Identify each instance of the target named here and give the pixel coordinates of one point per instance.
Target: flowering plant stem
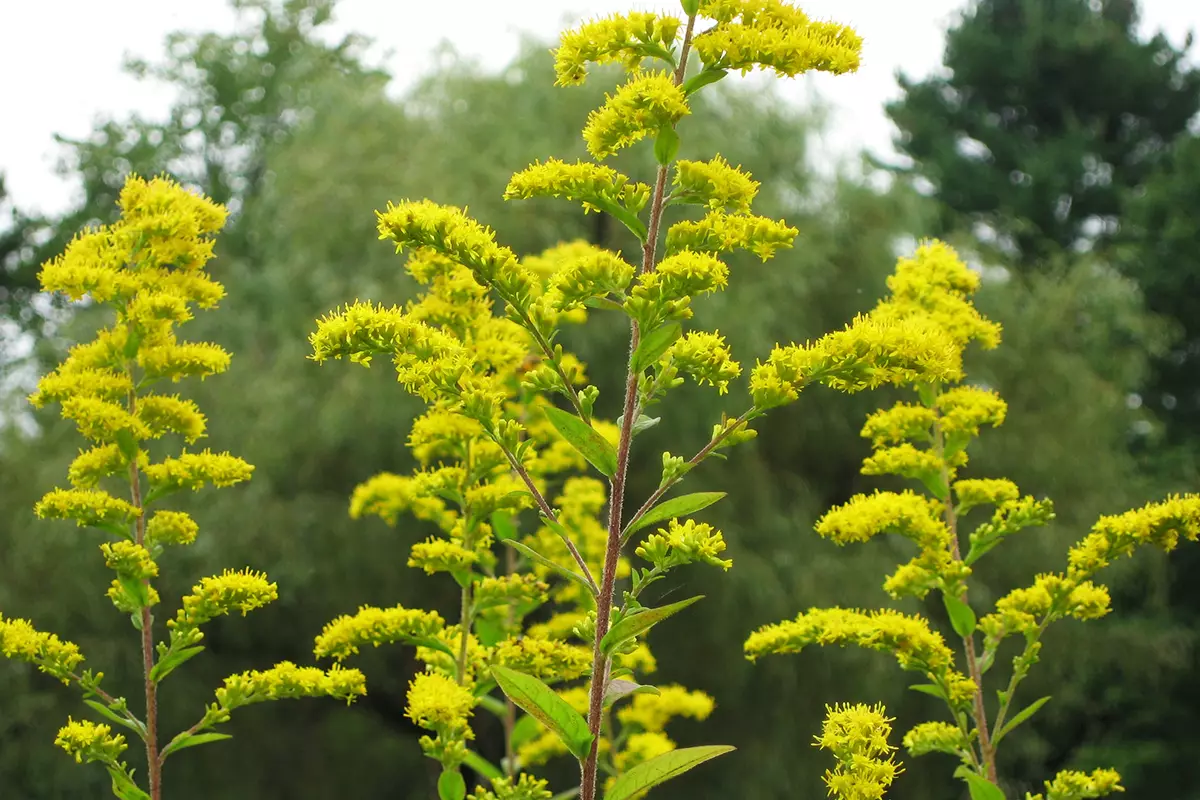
(600, 660)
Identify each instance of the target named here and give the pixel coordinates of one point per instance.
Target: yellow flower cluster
(215, 596)
(94, 507)
(857, 735)
(684, 542)
(935, 737)
(546, 659)
(439, 704)
(20, 641)
(287, 681)
(171, 527)
(88, 741)
(597, 187)
(1074, 785)
(646, 104)
(440, 555)
(343, 637)
(625, 39)
(651, 712)
(194, 470)
(514, 590)
(909, 638)
(720, 232)
(776, 35)
(705, 357)
(523, 787)
(715, 184)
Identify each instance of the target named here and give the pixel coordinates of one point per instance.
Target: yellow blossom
(91, 466)
(706, 358)
(171, 527)
(194, 470)
(621, 38)
(93, 507)
(214, 596)
(900, 423)
(644, 105)
(684, 542)
(439, 555)
(20, 641)
(439, 704)
(162, 414)
(1075, 785)
(935, 737)
(719, 232)
(343, 637)
(715, 184)
(857, 735)
(88, 741)
(546, 659)
(595, 186)
(286, 681)
(652, 712)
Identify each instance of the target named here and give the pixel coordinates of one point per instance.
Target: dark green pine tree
(1048, 116)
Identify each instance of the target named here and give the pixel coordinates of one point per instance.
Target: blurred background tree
(301, 137)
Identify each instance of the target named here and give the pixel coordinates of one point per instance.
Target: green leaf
(661, 769)
(503, 525)
(638, 623)
(534, 555)
(167, 664)
(666, 145)
(185, 740)
(980, 787)
(127, 444)
(929, 689)
(675, 507)
(482, 766)
(451, 785)
(653, 345)
(644, 423)
(108, 713)
(1022, 715)
(962, 618)
(936, 485)
(702, 79)
(618, 688)
(540, 701)
(583, 437)
(489, 631)
(123, 786)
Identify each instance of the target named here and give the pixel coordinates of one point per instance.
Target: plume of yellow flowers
(927, 442)
(149, 269)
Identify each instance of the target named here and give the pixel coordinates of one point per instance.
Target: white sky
(60, 59)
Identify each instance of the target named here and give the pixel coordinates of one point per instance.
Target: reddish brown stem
(612, 552)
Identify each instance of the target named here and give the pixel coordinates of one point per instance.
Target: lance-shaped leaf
(540, 701)
(979, 787)
(584, 438)
(172, 659)
(186, 739)
(675, 507)
(654, 344)
(661, 769)
(1022, 715)
(639, 622)
(619, 687)
(962, 618)
(451, 785)
(534, 555)
(134, 725)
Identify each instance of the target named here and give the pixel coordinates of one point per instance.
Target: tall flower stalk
(149, 268)
(926, 441)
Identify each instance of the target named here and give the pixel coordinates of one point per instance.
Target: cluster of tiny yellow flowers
(857, 735)
(286, 681)
(88, 741)
(684, 542)
(19, 640)
(523, 787)
(1074, 785)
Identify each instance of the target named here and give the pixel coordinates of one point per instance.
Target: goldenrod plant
(926, 441)
(512, 413)
(149, 268)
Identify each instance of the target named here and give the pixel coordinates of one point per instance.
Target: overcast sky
(60, 60)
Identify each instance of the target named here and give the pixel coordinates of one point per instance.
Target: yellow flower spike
(215, 596)
(684, 542)
(20, 641)
(387, 495)
(129, 560)
(171, 414)
(450, 232)
(67, 382)
(985, 491)
(935, 737)
(964, 409)
(171, 527)
(438, 703)
(591, 272)
(93, 507)
(644, 105)
(523, 787)
(343, 637)
(546, 659)
(89, 741)
(906, 513)
(177, 361)
(903, 460)
(287, 681)
(705, 357)
(715, 184)
(900, 423)
(719, 232)
(91, 466)
(516, 589)
(439, 555)
(195, 470)
(857, 735)
(102, 421)
(595, 186)
(774, 35)
(1074, 785)
(625, 39)
(1161, 524)
(171, 226)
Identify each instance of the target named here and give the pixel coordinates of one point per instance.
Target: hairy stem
(612, 552)
(987, 753)
(153, 762)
